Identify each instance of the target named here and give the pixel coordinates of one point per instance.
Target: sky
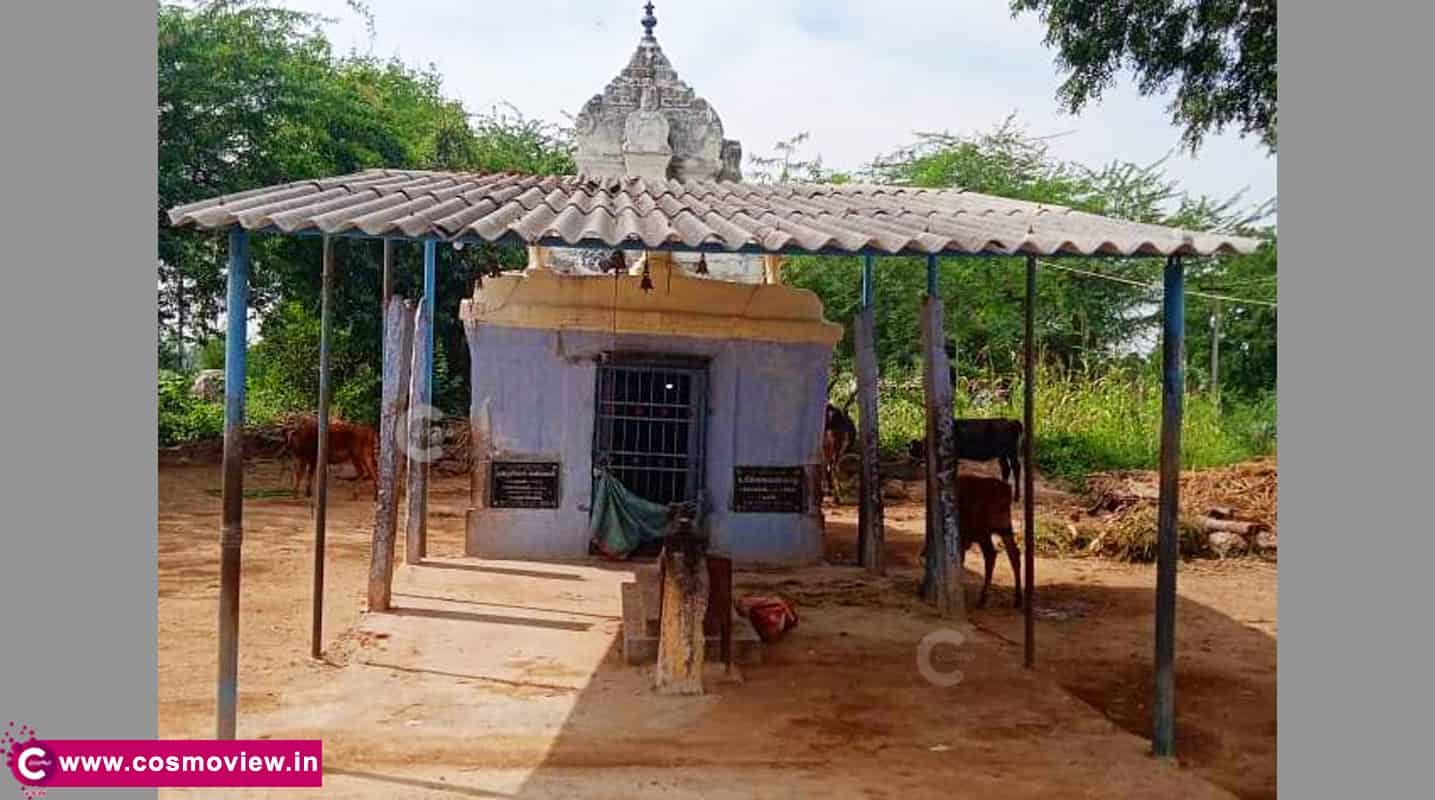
(860, 77)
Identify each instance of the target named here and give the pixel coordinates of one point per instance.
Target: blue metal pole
(430, 292)
(321, 460)
(231, 538)
(867, 290)
(1028, 456)
(430, 279)
(931, 276)
(1173, 387)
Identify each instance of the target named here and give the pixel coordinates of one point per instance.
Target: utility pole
(1216, 351)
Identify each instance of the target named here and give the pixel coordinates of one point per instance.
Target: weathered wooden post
(682, 606)
(870, 532)
(942, 578)
(388, 284)
(231, 536)
(398, 355)
(1173, 387)
(1029, 460)
(420, 416)
(934, 507)
(321, 459)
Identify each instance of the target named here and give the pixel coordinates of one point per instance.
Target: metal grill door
(649, 430)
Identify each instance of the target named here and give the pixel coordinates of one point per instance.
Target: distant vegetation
(252, 94)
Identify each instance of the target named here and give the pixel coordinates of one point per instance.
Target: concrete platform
(640, 625)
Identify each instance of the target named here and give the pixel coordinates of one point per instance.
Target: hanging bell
(647, 284)
(702, 264)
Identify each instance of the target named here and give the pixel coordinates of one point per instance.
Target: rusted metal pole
(1173, 387)
(1028, 458)
(321, 460)
(231, 537)
(398, 354)
(870, 532)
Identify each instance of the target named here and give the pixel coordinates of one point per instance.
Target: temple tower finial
(649, 21)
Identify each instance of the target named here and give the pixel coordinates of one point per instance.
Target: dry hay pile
(1224, 511)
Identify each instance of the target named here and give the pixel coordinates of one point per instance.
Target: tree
(1082, 322)
(1248, 330)
(252, 95)
(787, 166)
(1219, 54)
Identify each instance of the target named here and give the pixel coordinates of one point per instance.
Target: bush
(284, 370)
(211, 353)
(182, 416)
(1086, 423)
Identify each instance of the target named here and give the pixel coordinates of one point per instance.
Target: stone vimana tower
(647, 123)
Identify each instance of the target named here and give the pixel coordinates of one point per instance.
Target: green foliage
(182, 417)
(285, 367)
(1081, 321)
(1248, 331)
(251, 94)
(788, 167)
(211, 353)
(1086, 422)
(1219, 54)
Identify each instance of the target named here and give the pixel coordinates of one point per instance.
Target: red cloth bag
(771, 617)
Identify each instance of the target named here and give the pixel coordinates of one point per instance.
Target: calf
(837, 436)
(983, 511)
(984, 440)
(348, 442)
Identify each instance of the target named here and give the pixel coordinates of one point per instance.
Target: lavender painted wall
(533, 398)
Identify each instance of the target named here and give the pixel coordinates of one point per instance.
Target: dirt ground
(504, 679)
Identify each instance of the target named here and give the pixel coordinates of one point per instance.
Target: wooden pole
(388, 290)
(231, 536)
(321, 459)
(1029, 463)
(682, 644)
(398, 355)
(415, 544)
(934, 506)
(1173, 321)
(870, 532)
(942, 576)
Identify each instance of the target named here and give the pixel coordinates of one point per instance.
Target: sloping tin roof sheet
(736, 217)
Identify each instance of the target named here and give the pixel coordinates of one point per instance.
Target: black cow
(837, 436)
(984, 440)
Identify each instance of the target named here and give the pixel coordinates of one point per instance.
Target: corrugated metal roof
(630, 212)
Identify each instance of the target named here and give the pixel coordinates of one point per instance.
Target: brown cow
(348, 442)
(984, 510)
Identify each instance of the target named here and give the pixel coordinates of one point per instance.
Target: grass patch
(1091, 423)
(255, 494)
